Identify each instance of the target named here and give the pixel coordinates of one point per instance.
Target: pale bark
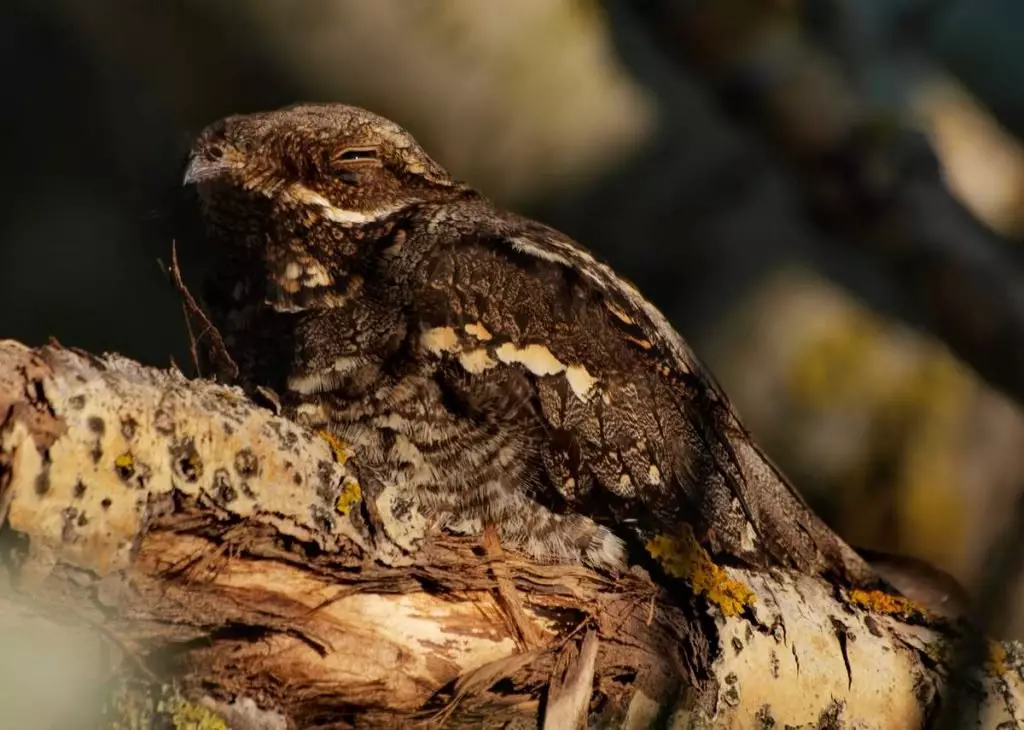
(214, 544)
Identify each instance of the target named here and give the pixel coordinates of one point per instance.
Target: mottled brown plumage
(483, 367)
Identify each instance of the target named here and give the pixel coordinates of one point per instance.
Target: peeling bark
(213, 546)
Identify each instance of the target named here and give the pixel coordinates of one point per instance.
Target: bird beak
(201, 169)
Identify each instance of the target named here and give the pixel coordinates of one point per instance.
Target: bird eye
(356, 154)
(214, 152)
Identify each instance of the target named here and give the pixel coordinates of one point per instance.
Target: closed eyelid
(356, 155)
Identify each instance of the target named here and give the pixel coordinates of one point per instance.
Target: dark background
(614, 122)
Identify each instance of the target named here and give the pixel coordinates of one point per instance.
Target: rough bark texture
(216, 548)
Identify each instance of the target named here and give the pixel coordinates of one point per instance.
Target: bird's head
(328, 162)
(299, 195)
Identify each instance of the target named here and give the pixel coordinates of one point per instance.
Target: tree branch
(222, 548)
(867, 181)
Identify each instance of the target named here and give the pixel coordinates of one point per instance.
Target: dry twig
(217, 350)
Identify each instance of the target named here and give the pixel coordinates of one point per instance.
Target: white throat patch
(301, 194)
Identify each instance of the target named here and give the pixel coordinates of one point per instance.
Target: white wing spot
(476, 361)
(580, 380)
(478, 331)
(440, 340)
(525, 245)
(536, 358)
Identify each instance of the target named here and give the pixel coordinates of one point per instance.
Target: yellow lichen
(350, 495)
(339, 447)
(137, 706)
(683, 557)
(124, 461)
(886, 603)
(189, 716)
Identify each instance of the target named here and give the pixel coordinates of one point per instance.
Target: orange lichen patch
(339, 447)
(882, 602)
(682, 557)
(350, 495)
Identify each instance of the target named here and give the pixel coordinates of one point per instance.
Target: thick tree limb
(219, 546)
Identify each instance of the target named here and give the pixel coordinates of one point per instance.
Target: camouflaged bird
(483, 367)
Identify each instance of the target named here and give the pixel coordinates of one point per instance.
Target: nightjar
(482, 367)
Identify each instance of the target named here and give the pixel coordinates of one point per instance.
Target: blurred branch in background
(984, 164)
(867, 180)
(900, 444)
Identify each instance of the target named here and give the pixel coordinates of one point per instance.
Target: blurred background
(825, 196)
